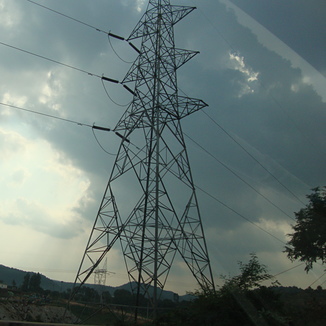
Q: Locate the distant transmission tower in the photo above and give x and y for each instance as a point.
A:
(150, 204)
(100, 274)
(100, 278)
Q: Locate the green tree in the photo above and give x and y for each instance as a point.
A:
(308, 241)
(87, 294)
(106, 297)
(25, 285)
(251, 276)
(124, 297)
(35, 283)
(242, 300)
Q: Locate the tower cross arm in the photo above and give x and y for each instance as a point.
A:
(171, 14)
(181, 106)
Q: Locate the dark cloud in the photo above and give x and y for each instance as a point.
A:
(277, 123)
(298, 23)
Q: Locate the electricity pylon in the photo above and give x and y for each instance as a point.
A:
(100, 278)
(100, 274)
(150, 204)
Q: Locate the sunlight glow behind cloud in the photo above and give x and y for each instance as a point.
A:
(238, 63)
(44, 192)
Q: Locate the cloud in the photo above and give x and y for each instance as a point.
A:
(53, 173)
(52, 187)
(51, 91)
(10, 15)
(35, 216)
(274, 41)
(11, 143)
(138, 4)
(237, 63)
(9, 99)
(18, 177)
(297, 25)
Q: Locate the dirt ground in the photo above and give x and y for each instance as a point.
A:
(32, 312)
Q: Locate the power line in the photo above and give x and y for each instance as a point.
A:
(239, 177)
(82, 124)
(121, 38)
(98, 142)
(287, 270)
(49, 59)
(225, 205)
(111, 99)
(248, 153)
(93, 127)
(207, 19)
(322, 283)
(254, 158)
(278, 104)
(93, 27)
(107, 129)
(240, 215)
(114, 81)
(71, 66)
(103, 78)
(317, 280)
(280, 273)
(45, 115)
(69, 17)
(91, 74)
(115, 52)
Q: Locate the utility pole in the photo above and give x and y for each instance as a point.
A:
(150, 203)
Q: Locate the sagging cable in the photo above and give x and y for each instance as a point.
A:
(98, 142)
(108, 95)
(116, 53)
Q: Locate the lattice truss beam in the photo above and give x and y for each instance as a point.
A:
(150, 203)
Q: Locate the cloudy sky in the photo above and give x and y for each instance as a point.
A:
(256, 151)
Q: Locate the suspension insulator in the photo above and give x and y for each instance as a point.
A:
(110, 80)
(116, 36)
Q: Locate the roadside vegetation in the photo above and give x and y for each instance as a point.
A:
(242, 300)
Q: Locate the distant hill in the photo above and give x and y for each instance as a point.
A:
(10, 275)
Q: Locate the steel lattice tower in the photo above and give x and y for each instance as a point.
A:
(157, 215)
